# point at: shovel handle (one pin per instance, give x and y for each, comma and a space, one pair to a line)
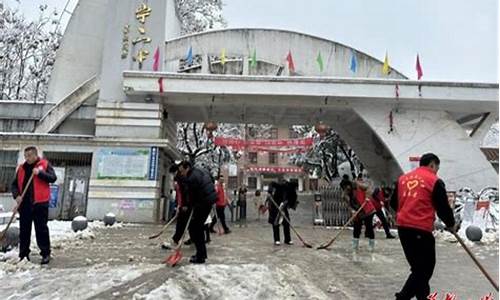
479, 265
324, 246
16, 208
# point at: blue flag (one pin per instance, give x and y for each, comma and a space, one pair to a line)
354, 62
189, 57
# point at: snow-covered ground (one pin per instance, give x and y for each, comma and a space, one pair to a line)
60, 231
31, 281
242, 282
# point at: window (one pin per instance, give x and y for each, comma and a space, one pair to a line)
292, 133
252, 183
252, 157
273, 158
8, 164
273, 132
232, 182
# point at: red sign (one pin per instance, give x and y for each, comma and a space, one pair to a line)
240, 143
275, 170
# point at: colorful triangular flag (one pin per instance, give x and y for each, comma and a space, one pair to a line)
354, 62
291, 65
223, 56
386, 69
253, 59
189, 56
319, 60
420, 72
156, 59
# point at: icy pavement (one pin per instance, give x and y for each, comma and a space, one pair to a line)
122, 263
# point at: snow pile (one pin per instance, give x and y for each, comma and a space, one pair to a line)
489, 238
247, 281
77, 283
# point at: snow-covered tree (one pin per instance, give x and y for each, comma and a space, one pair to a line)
200, 15
194, 143
324, 158
27, 53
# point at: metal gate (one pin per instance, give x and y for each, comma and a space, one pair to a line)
336, 211
71, 189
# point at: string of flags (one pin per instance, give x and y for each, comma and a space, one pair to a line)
353, 67
353, 63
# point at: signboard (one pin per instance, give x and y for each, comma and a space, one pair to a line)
124, 163
54, 193
414, 162
153, 164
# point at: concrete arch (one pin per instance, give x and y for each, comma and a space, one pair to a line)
272, 46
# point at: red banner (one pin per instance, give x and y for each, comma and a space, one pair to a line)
275, 170
240, 143
265, 149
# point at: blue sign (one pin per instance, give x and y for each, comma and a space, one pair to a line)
54, 192
153, 164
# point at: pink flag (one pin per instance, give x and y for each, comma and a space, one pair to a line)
420, 73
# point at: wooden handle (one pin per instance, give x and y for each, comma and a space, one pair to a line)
16, 208
483, 270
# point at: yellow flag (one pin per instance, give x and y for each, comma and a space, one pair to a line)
386, 69
223, 56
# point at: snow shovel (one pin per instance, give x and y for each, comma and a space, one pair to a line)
164, 228
291, 226
483, 270
325, 246
173, 259
16, 208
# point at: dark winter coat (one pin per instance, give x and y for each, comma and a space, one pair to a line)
199, 188
281, 193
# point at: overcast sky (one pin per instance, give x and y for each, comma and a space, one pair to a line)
456, 39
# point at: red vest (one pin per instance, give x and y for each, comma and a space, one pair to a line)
361, 198
41, 189
415, 208
178, 194
221, 197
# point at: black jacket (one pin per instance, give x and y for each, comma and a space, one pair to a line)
199, 187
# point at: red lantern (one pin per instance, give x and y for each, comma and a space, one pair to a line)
321, 129
210, 126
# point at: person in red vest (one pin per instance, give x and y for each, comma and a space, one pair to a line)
358, 196
418, 196
220, 206
378, 198
34, 206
